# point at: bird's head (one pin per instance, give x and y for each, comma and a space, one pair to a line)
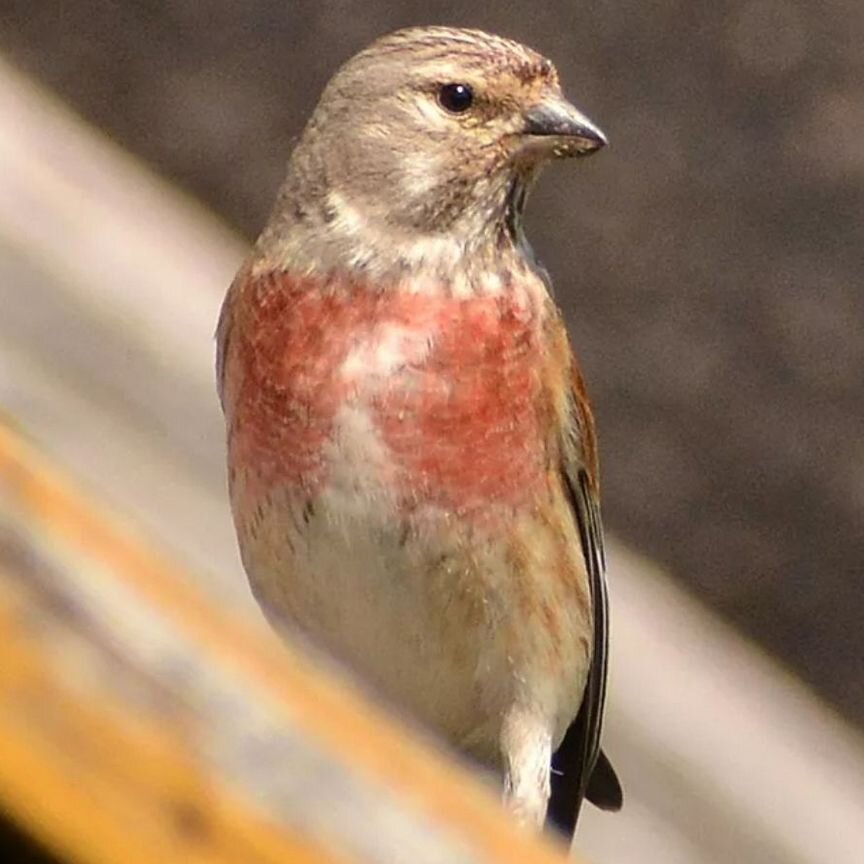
432, 136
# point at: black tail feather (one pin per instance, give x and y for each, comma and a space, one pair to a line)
604, 788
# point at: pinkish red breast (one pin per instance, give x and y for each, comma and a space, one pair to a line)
453, 387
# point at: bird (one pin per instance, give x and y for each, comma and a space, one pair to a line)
412, 457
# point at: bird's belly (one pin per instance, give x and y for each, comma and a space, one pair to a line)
452, 623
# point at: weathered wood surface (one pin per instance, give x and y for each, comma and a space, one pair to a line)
141, 722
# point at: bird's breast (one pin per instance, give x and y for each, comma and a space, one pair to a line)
421, 398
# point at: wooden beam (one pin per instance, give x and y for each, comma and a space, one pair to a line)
140, 721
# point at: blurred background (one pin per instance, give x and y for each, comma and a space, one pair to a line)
710, 263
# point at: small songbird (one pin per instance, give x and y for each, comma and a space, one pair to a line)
411, 450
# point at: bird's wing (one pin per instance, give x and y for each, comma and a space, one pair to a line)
579, 769
225, 326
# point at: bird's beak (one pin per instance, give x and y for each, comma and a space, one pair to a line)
556, 126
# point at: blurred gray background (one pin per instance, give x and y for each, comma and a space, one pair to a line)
710, 261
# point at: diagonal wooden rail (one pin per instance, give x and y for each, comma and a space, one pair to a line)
141, 722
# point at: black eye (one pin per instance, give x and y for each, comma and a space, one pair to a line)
455, 98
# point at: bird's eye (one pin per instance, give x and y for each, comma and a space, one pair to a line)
455, 98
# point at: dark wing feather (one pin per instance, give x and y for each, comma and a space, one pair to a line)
579, 769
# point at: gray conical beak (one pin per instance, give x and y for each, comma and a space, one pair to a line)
566, 131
